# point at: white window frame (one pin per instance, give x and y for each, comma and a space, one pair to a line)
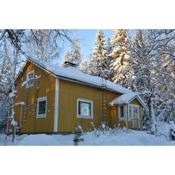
124, 107
38, 100
27, 85
86, 101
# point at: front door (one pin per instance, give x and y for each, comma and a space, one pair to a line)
134, 116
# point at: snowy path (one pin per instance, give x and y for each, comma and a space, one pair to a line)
108, 138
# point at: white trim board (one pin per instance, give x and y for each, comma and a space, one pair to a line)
56, 110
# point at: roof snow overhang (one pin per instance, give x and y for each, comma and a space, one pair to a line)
112, 86
126, 99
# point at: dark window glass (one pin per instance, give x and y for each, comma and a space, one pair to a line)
42, 107
30, 79
122, 112
84, 108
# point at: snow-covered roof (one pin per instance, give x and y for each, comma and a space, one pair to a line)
73, 74
126, 99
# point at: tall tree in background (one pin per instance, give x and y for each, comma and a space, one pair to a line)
168, 75
48, 42
120, 56
166, 87
98, 54
8, 67
143, 70
149, 71
44, 45
74, 55
109, 49
99, 63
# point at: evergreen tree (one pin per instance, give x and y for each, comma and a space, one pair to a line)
98, 55
108, 49
120, 56
99, 63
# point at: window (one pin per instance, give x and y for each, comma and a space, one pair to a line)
133, 112
84, 108
30, 79
121, 112
41, 107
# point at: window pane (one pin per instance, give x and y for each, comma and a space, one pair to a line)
30, 75
84, 109
122, 112
30, 81
42, 107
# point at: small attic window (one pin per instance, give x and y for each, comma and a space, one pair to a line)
30, 79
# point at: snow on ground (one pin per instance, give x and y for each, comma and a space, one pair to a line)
163, 128
114, 137
126, 139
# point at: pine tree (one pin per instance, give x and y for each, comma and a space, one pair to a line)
108, 49
74, 55
100, 61
98, 55
120, 56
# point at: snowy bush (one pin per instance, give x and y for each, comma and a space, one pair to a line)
104, 129
95, 130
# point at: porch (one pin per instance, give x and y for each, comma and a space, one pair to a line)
127, 111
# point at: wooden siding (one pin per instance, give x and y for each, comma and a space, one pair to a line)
44, 86
69, 93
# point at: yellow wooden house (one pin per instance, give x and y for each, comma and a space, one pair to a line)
52, 99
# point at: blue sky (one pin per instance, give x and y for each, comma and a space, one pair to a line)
87, 40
